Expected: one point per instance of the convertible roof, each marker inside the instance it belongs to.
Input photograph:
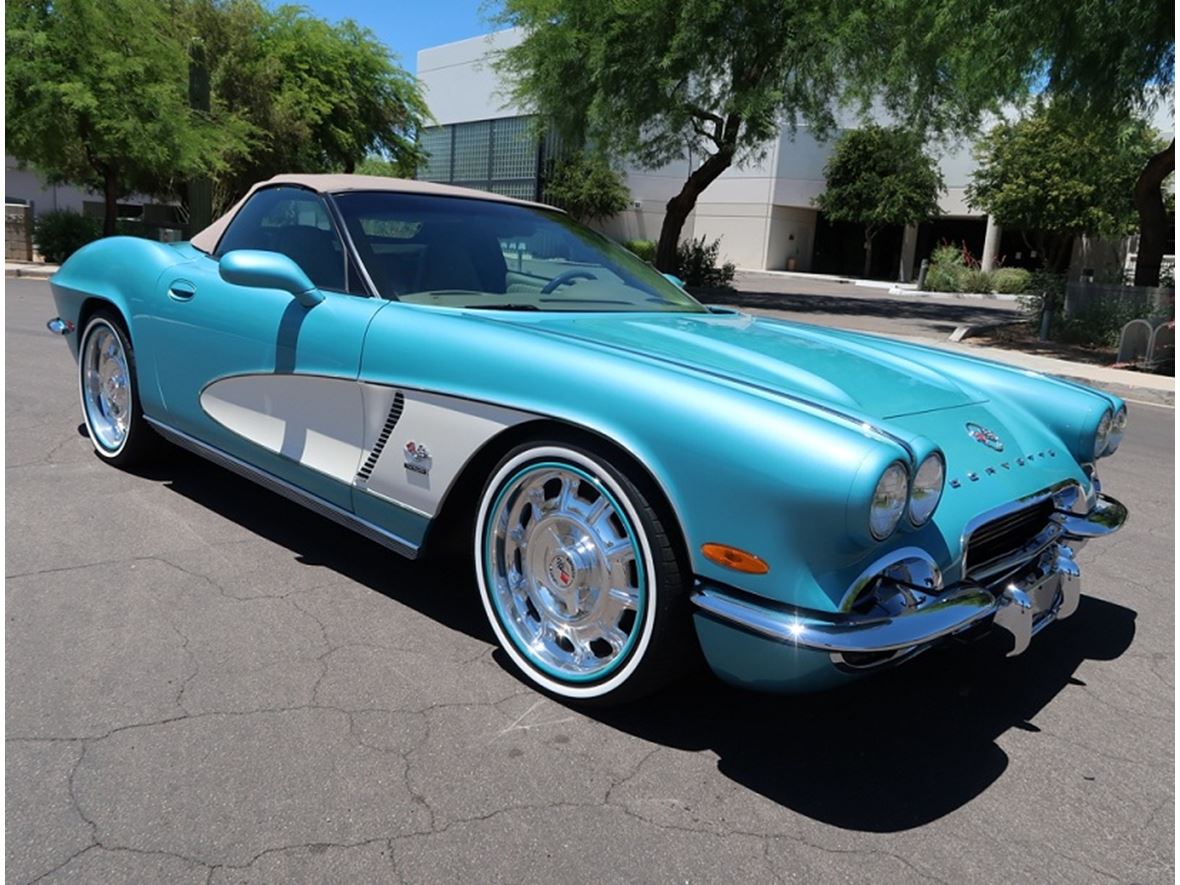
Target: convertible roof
(207, 239)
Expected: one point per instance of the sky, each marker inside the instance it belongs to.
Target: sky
(406, 26)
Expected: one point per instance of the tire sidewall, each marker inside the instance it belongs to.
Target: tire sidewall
(512, 464)
(92, 325)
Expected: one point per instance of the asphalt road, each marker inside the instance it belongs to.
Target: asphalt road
(208, 684)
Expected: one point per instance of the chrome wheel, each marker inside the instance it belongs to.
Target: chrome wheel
(564, 570)
(106, 387)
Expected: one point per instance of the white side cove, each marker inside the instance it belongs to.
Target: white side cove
(335, 426)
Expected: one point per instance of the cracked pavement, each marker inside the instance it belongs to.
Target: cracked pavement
(208, 684)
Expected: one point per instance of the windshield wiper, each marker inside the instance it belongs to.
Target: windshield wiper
(501, 307)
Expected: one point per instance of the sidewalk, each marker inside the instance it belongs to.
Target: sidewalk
(36, 270)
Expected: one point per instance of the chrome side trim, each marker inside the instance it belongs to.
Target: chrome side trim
(280, 486)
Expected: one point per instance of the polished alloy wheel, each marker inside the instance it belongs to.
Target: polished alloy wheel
(106, 387)
(565, 571)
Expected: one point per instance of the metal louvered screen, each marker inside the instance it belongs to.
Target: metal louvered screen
(503, 156)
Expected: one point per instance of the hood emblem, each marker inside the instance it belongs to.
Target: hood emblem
(418, 457)
(981, 434)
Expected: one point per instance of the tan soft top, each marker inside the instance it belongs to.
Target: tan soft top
(207, 239)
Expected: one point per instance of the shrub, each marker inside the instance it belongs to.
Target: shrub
(696, 264)
(974, 280)
(947, 268)
(61, 233)
(645, 249)
(1011, 280)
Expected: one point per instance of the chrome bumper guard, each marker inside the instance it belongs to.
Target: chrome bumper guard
(1048, 590)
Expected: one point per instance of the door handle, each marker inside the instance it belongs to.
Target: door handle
(181, 290)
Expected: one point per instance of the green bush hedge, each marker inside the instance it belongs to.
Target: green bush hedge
(61, 233)
(645, 249)
(948, 272)
(696, 264)
(1011, 280)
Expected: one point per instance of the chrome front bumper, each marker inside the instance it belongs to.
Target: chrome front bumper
(1048, 590)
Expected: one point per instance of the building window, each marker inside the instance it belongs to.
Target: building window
(502, 156)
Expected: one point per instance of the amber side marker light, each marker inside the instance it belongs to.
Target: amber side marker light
(732, 557)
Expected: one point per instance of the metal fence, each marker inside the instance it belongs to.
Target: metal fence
(18, 232)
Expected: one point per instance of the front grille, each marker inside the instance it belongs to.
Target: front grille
(995, 541)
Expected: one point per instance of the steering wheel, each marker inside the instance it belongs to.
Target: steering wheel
(565, 278)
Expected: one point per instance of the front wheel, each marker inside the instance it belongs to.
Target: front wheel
(110, 397)
(578, 575)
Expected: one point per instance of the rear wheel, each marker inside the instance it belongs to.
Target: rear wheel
(110, 396)
(578, 575)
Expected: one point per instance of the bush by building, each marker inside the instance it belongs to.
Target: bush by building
(696, 264)
(61, 233)
(645, 249)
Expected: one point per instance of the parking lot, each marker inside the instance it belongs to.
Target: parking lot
(206, 683)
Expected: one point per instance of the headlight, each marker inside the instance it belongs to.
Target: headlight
(1102, 435)
(927, 491)
(1117, 428)
(888, 501)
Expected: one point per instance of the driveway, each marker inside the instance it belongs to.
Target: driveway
(207, 684)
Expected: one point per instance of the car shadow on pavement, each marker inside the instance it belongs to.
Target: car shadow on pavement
(892, 752)
(429, 587)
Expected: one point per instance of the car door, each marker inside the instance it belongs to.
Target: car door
(252, 371)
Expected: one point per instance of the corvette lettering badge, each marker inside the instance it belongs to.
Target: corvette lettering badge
(418, 457)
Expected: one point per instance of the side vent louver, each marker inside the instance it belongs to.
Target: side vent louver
(395, 413)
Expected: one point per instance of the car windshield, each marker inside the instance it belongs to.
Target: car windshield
(470, 253)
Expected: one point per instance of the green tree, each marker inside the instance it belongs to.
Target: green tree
(318, 97)
(587, 187)
(1103, 59)
(714, 81)
(97, 94)
(1056, 175)
(879, 176)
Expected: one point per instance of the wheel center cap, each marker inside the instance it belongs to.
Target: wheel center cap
(562, 571)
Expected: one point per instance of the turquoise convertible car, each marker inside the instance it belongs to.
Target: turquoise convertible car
(633, 475)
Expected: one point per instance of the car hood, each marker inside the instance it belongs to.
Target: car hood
(828, 366)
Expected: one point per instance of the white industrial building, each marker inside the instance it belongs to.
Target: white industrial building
(763, 212)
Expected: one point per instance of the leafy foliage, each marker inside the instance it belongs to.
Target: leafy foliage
(62, 232)
(318, 97)
(405, 167)
(656, 82)
(1010, 280)
(947, 269)
(1062, 174)
(645, 249)
(878, 176)
(587, 187)
(97, 95)
(696, 265)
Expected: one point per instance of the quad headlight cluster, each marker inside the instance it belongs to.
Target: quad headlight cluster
(1110, 432)
(895, 494)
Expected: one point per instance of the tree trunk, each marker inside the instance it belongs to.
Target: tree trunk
(683, 203)
(868, 253)
(111, 204)
(1153, 219)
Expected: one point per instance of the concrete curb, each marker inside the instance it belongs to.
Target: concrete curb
(31, 271)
